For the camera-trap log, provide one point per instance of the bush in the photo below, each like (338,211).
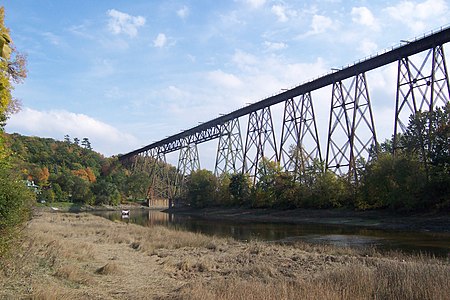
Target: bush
(15,204)
(393,182)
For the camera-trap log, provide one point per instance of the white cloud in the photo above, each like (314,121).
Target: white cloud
(363,16)
(367,47)
(183,12)
(280,12)
(271,46)
(244,60)
(232,19)
(56,123)
(160,41)
(255,3)
(102,68)
(224,79)
(320,24)
(52,38)
(418,16)
(120,22)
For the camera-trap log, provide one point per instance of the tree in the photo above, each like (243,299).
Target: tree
(14,196)
(201,188)
(240,189)
(86,144)
(12,70)
(106,193)
(265,195)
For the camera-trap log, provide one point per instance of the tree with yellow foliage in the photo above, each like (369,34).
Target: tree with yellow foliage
(14,196)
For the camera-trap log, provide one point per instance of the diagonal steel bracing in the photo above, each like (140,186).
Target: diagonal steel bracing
(160,183)
(259,133)
(299,138)
(188,162)
(420,88)
(211,129)
(351,133)
(229,157)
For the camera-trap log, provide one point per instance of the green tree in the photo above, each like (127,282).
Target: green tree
(12,70)
(106,193)
(14,196)
(81,192)
(136,185)
(15,204)
(86,143)
(264,193)
(223,195)
(240,189)
(394,182)
(201,188)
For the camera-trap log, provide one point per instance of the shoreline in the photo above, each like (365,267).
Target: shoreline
(374,219)
(82,256)
(384,220)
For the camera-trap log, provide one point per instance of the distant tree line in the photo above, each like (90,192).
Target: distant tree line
(72,172)
(414,177)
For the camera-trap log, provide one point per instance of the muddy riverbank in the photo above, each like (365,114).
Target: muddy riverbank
(427,222)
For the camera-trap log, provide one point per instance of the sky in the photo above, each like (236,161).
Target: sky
(128,73)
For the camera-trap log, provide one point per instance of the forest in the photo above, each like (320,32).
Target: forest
(70,171)
(414,177)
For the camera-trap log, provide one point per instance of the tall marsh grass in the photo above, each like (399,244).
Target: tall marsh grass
(385,280)
(69,256)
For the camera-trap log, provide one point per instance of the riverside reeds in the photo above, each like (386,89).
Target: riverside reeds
(84,256)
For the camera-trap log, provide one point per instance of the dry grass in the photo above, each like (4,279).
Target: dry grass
(108,269)
(68,256)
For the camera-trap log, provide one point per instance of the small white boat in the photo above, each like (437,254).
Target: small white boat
(125,213)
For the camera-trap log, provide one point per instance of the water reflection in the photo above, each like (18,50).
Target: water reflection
(340,235)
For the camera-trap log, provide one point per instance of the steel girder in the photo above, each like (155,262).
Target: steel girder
(159,172)
(153,163)
(197,138)
(229,157)
(188,161)
(299,129)
(259,133)
(420,87)
(351,133)
(211,129)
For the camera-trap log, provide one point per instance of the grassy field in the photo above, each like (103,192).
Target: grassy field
(81,256)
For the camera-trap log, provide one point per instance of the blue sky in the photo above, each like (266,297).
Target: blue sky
(127,73)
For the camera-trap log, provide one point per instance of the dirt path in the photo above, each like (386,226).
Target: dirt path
(81,256)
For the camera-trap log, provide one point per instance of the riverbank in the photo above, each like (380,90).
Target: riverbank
(82,256)
(437,222)
(379,219)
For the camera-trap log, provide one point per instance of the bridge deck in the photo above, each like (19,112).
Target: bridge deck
(210,130)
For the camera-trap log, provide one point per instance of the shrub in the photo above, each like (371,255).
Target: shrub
(15,204)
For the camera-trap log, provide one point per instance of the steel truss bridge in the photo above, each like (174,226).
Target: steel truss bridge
(351,129)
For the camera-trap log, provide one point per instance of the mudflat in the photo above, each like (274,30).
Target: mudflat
(82,256)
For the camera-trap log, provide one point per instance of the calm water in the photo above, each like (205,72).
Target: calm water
(339,235)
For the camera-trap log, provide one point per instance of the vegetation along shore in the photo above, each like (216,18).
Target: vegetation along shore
(81,256)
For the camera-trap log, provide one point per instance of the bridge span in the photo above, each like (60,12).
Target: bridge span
(351,135)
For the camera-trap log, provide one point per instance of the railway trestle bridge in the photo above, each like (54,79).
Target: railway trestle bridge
(351,135)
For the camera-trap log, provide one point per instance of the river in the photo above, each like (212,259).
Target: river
(437,244)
